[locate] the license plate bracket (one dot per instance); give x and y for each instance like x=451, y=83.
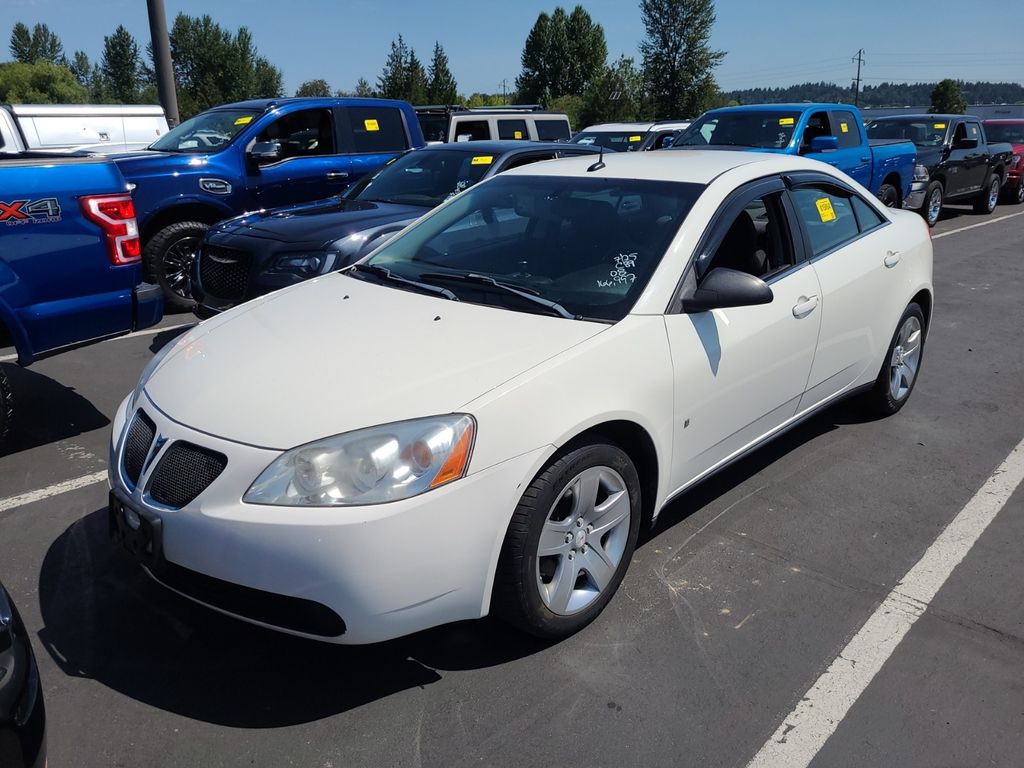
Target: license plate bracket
x=139, y=532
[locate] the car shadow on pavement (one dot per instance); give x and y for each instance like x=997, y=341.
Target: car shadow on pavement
x=105, y=620
x=46, y=411
x=162, y=339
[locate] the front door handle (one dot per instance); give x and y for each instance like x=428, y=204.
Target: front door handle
x=805, y=306
x=865, y=159
x=892, y=258
x=336, y=175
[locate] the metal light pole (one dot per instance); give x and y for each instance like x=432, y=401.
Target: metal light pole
x=162, y=60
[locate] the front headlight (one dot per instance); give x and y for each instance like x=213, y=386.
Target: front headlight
x=303, y=264
x=1015, y=160
x=921, y=173
x=369, y=466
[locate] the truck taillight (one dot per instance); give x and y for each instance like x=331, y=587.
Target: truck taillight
x=115, y=215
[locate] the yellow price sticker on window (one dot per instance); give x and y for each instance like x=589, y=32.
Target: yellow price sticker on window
x=939, y=125
x=787, y=120
x=844, y=128
x=518, y=134
x=824, y=206
x=371, y=125
x=243, y=120
x=482, y=160
x=634, y=138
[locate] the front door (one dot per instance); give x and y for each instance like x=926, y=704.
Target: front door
x=740, y=372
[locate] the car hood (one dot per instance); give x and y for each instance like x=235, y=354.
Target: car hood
x=337, y=354
x=321, y=221
x=929, y=157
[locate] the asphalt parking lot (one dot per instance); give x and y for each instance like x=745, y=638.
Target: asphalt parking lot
x=751, y=587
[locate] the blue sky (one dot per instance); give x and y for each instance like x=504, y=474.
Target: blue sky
x=776, y=43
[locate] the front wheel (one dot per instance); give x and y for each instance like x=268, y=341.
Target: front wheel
x=987, y=200
x=932, y=203
x=168, y=258
x=569, y=542
x=902, y=363
x=889, y=195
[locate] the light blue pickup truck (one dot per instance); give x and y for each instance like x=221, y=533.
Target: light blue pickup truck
x=831, y=133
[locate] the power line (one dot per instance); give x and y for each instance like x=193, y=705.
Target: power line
x=856, y=89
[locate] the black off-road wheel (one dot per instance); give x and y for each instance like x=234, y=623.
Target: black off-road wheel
x=889, y=195
x=168, y=258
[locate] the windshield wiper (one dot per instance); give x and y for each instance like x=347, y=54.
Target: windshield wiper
x=387, y=275
x=524, y=293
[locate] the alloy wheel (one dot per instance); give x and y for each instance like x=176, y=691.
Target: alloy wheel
x=906, y=357
x=177, y=265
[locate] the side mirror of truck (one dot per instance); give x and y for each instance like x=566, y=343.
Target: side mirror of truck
x=824, y=143
x=265, y=151
x=965, y=144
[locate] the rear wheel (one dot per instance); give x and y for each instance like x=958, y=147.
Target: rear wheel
x=932, y=203
x=569, y=542
x=168, y=258
x=889, y=195
x=6, y=406
x=902, y=363
x=989, y=197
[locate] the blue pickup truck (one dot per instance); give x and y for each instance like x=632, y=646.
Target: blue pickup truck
x=69, y=258
x=831, y=133
x=249, y=156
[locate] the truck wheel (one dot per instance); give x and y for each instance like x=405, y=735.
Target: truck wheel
x=889, y=195
x=6, y=406
x=1016, y=196
x=986, y=201
x=168, y=259
x=932, y=203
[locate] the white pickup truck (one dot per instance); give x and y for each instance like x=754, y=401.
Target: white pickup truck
x=98, y=128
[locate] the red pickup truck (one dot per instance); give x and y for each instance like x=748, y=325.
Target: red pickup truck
x=1012, y=132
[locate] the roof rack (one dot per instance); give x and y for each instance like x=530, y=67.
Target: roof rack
x=509, y=108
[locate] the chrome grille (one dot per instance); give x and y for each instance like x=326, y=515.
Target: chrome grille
x=224, y=272
x=184, y=471
x=136, y=445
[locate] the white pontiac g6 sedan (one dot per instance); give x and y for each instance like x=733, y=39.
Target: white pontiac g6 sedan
x=480, y=415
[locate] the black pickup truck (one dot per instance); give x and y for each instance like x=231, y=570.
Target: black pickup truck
x=955, y=162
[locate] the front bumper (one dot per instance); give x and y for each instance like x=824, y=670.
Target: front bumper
x=385, y=570
x=148, y=305
x=915, y=199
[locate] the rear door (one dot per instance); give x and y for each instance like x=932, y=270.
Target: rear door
x=371, y=136
x=853, y=155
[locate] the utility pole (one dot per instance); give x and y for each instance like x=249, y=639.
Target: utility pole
x=859, y=58
x=162, y=60
x=504, y=91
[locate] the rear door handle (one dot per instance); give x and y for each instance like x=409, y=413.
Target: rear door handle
x=864, y=159
x=336, y=175
x=892, y=258
x=805, y=306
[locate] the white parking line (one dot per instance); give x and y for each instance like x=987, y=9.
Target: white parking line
x=53, y=490
x=975, y=226
x=805, y=730
x=147, y=332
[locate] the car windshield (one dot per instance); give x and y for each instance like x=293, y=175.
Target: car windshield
x=424, y=177
x=1012, y=133
x=762, y=130
x=619, y=141
x=207, y=132
x=929, y=132
x=589, y=245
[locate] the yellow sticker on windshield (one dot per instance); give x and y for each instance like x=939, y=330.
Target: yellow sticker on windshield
x=244, y=120
x=517, y=135
x=844, y=128
x=787, y=120
x=939, y=125
x=825, y=212
x=482, y=160
x=635, y=138
x=371, y=125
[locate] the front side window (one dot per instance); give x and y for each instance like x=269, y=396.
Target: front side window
x=588, y=244
x=828, y=215
x=817, y=125
x=377, y=130
x=757, y=240
x=425, y=177
x=552, y=130
x=207, y=132
x=512, y=129
x=763, y=130
x=306, y=133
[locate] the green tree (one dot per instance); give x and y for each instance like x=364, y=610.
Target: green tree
x=39, y=45
x=441, y=85
x=948, y=99
x=81, y=68
x=392, y=81
x=363, y=88
x=616, y=95
x=532, y=83
x=572, y=106
x=316, y=87
x=416, y=80
x=563, y=53
x=267, y=80
x=121, y=65
x=678, y=61
x=39, y=83
x=587, y=52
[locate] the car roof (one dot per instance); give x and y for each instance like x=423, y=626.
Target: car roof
x=609, y=127
x=697, y=166
x=925, y=116
x=265, y=104
x=501, y=146
x=791, y=107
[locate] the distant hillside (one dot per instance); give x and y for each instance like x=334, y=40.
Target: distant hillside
x=881, y=95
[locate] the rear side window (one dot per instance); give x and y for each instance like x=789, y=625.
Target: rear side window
x=846, y=129
x=867, y=217
x=552, y=130
x=377, y=129
x=512, y=129
x=472, y=130
x=828, y=215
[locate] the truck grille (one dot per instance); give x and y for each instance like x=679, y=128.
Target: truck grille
x=224, y=272
x=136, y=445
x=184, y=471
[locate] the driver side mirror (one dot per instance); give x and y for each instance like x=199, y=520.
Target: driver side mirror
x=965, y=144
x=265, y=151
x=824, y=143
x=723, y=287
x=667, y=142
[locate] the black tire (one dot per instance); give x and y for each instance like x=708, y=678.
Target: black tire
x=6, y=407
x=988, y=198
x=889, y=195
x=166, y=260
x=1015, y=196
x=516, y=597
x=880, y=400
x=929, y=211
